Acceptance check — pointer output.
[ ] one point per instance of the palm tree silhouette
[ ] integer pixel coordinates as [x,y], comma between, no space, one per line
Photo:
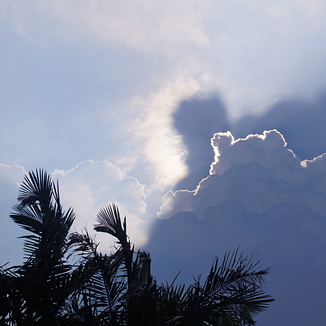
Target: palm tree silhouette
[231,294]
[37,290]
[112,289]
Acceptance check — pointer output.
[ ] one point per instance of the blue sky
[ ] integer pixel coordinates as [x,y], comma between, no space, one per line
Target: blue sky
[162,107]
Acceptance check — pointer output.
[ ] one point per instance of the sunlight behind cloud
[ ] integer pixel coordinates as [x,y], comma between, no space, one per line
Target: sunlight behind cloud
[156,138]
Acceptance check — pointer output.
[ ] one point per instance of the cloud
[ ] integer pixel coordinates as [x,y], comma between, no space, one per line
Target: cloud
[90,185]
[196,120]
[158,147]
[242,168]
[261,196]
[268,149]
[254,51]
[143,26]
[300,121]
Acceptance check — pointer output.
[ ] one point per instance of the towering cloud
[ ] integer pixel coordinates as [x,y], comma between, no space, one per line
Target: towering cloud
[261,196]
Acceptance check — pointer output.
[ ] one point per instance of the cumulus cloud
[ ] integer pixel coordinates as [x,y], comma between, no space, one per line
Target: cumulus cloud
[242,168]
[90,185]
[261,196]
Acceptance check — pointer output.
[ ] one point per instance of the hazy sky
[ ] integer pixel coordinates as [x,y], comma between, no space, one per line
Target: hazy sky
[203,120]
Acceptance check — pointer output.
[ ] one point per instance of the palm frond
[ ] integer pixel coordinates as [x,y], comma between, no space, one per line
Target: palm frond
[45,279]
[234,270]
[104,291]
[235,288]
[109,221]
[36,187]
[29,218]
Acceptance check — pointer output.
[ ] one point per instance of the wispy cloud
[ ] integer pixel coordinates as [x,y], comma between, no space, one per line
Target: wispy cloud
[253,51]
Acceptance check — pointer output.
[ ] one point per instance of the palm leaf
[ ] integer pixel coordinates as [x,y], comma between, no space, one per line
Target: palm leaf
[104,291]
[36,187]
[45,279]
[235,269]
[109,221]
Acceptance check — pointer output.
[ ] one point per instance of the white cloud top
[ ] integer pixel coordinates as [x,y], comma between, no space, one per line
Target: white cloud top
[258,170]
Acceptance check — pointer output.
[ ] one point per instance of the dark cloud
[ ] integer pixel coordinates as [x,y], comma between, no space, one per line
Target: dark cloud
[197,120]
[261,197]
[302,123]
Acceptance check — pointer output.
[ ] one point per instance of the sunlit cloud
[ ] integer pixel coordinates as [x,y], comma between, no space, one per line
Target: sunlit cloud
[253,148]
[252,169]
[157,143]
[91,185]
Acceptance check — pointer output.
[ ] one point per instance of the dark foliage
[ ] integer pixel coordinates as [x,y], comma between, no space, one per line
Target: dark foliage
[116,289]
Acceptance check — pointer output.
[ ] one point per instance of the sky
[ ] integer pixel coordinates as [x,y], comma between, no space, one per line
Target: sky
[203,120]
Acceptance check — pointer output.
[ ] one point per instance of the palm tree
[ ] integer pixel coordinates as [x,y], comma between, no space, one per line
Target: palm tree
[100,299]
[121,289]
[231,294]
[45,280]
